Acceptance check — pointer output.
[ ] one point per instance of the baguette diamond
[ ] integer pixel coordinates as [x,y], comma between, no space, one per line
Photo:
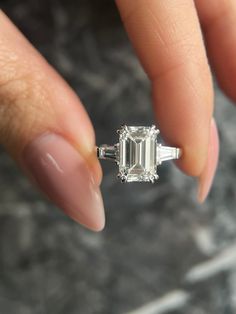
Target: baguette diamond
[138,154]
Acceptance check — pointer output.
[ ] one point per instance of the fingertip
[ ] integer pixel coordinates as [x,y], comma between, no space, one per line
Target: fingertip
[191,161]
[94,222]
[98,226]
[184,122]
[206,178]
[96,219]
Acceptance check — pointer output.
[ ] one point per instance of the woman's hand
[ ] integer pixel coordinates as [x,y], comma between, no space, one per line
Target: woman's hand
[45,128]
[169,42]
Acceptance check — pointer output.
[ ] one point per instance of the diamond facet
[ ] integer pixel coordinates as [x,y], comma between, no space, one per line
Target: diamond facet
[137,154]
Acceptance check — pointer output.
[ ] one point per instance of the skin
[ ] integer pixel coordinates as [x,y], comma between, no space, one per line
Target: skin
[168,39]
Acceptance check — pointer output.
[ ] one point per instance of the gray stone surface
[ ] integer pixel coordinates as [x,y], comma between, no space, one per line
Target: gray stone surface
[160,251]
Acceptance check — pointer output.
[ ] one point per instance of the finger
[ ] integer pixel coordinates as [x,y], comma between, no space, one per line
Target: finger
[46,130]
[218,19]
[168,41]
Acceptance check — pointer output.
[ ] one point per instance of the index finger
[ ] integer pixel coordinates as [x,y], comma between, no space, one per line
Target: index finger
[168,40]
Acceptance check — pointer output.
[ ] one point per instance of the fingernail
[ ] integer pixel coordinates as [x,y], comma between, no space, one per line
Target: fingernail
[64,176]
[207,176]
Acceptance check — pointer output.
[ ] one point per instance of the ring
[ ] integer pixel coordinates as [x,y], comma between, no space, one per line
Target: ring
[138,154]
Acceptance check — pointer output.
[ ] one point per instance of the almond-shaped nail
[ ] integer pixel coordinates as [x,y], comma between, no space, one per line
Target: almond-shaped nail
[207,176]
[64,176]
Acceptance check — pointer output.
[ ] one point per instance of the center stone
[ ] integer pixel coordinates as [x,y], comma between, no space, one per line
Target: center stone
[137,154]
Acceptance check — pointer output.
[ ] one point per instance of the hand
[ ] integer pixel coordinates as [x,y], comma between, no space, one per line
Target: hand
[45,128]
[169,42]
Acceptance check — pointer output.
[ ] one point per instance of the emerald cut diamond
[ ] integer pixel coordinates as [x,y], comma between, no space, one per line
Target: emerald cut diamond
[138,153]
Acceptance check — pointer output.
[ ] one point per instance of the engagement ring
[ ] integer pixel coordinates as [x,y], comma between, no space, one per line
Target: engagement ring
[138,154]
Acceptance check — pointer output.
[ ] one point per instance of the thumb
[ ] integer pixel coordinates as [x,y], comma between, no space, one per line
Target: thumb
[45,128]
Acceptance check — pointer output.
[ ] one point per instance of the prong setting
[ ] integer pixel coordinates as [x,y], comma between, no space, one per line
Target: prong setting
[123,132]
[138,154]
[122,176]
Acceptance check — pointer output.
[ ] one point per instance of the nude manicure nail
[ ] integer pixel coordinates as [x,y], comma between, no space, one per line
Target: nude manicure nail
[63,175]
[207,176]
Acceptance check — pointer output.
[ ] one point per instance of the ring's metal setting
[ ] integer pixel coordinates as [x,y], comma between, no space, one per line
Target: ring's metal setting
[138,153]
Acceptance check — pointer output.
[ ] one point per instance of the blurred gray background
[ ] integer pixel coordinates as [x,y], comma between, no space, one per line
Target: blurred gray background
[160,251]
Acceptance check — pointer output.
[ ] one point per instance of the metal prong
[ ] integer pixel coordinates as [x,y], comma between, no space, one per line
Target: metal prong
[122,129]
[154,128]
[122,177]
[154,178]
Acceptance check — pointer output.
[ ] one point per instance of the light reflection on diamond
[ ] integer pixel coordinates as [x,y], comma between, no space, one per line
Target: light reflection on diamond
[137,160]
